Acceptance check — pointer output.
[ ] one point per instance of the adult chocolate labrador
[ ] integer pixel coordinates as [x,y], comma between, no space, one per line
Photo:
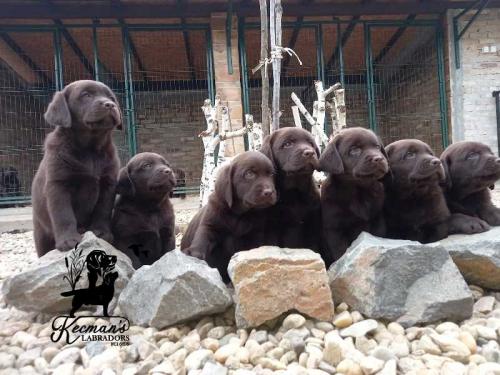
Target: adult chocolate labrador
[352,196]
[74,188]
[295,220]
[415,206]
[471,171]
[234,217]
[143,221]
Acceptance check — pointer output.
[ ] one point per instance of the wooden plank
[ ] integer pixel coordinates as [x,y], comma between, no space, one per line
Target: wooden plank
[67,10]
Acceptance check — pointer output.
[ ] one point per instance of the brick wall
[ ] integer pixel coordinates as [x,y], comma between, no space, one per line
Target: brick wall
[168,123]
[472,104]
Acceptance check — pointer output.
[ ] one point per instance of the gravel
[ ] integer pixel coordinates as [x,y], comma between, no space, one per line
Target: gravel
[213,345]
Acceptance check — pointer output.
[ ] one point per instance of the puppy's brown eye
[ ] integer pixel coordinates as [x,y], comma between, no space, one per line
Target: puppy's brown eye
[85,94]
[472,156]
[409,155]
[249,175]
[288,144]
[354,151]
[147,166]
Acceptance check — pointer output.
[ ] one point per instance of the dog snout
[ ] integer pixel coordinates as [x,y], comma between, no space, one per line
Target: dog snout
[267,191]
[108,104]
[497,160]
[374,158]
[435,162]
[308,153]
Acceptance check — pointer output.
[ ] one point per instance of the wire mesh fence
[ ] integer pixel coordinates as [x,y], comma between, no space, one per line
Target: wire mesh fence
[390,73]
[159,76]
[24,95]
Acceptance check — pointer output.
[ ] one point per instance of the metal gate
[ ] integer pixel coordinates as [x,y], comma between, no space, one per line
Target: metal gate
[393,73]
[161,74]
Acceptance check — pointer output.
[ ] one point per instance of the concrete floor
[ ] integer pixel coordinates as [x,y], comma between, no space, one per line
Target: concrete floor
[20,218]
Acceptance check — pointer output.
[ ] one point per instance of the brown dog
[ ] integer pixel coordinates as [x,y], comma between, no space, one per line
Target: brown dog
[415,206]
[295,220]
[143,221]
[352,196]
[471,170]
[234,217]
[74,188]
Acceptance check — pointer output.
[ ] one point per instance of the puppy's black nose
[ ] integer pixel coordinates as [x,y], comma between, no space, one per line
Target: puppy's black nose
[267,192]
[167,171]
[308,153]
[498,160]
[109,104]
[435,161]
[376,159]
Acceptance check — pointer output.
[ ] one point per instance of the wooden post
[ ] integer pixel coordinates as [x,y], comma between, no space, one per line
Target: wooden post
[264,52]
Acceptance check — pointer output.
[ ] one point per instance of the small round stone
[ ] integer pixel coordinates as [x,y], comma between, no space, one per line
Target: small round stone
[293,321]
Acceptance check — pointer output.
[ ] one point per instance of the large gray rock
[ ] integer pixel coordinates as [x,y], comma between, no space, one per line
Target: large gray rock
[39,289]
[400,280]
[174,289]
[477,256]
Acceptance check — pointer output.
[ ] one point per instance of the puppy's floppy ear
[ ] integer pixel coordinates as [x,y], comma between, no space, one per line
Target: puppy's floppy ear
[267,148]
[224,185]
[125,184]
[445,163]
[330,160]
[58,113]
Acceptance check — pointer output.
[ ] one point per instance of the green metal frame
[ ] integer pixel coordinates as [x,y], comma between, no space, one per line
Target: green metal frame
[129,108]
[368,25]
[457,35]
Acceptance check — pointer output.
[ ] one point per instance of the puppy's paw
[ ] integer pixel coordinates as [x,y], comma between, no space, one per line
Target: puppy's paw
[196,253]
[467,224]
[68,242]
[476,225]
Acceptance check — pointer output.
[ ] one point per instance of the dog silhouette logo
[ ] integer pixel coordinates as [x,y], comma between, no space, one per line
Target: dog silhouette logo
[99,264]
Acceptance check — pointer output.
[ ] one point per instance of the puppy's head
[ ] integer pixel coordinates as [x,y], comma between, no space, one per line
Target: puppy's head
[85,105]
[247,182]
[292,151]
[413,164]
[470,167]
[147,176]
[356,153]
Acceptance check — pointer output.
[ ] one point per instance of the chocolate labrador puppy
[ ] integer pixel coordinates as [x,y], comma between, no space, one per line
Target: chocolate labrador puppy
[352,196]
[143,221]
[295,220]
[234,217]
[74,188]
[415,206]
[471,170]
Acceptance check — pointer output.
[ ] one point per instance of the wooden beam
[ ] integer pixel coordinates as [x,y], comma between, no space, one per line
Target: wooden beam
[393,40]
[345,37]
[93,10]
[11,43]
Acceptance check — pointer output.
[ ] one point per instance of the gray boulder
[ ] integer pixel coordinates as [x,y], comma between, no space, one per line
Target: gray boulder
[174,289]
[399,280]
[39,289]
[477,256]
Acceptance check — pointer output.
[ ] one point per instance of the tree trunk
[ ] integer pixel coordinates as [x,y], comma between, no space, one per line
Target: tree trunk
[264,52]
